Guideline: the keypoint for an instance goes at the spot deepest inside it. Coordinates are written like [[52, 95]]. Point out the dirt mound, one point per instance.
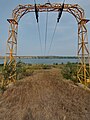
[[45, 96]]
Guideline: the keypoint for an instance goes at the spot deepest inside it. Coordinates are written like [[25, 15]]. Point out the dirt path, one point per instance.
[[45, 96]]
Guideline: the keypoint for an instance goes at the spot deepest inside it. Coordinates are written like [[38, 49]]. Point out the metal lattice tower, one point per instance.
[[83, 52]]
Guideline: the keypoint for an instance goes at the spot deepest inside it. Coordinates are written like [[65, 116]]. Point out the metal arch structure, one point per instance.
[[82, 52]]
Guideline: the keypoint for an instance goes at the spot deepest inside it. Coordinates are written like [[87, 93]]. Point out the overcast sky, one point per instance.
[[65, 39]]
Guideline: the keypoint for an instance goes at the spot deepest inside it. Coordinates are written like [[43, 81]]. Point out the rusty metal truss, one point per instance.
[[83, 74]]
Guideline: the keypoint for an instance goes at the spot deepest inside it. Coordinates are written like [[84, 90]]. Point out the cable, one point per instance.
[[40, 39], [52, 38], [48, 2], [36, 13], [46, 33], [59, 16]]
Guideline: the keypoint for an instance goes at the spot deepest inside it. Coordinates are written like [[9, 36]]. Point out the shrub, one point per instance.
[[69, 71], [9, 70], [44, 66], [23, 70]]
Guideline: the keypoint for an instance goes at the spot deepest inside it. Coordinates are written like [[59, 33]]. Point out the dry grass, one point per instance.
[[45, 96]]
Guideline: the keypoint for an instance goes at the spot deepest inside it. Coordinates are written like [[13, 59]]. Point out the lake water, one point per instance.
[[44, 61]]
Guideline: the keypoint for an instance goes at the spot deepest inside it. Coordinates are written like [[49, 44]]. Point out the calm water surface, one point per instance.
[[44, 61]]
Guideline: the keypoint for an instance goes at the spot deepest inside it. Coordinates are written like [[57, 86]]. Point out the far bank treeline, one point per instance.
[[45, 57]]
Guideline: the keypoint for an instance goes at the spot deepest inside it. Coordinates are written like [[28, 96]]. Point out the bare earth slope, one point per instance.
[[45, 96]]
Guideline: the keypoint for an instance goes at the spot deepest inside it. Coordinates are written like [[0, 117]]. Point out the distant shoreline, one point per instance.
[[44, 57]]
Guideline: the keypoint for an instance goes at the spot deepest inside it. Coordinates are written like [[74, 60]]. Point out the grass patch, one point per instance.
[[69, 71]]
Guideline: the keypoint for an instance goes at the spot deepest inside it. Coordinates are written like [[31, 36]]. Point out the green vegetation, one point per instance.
[[9, 70], [69, 71], [24, 70]]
